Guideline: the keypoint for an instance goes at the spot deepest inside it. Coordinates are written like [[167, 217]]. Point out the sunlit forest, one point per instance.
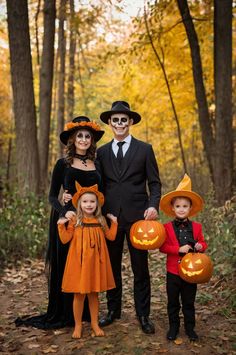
[[172, 60]]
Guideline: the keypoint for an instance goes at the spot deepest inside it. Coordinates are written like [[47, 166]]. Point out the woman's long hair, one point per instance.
[[97, 213], [70, 148]]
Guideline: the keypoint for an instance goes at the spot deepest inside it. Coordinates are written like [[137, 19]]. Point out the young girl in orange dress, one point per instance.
[[88, 268]]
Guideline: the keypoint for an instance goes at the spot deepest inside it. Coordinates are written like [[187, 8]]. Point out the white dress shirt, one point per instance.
[[125, 146]]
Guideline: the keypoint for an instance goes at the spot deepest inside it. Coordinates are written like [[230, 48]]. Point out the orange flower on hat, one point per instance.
[[92, 124], [82, 190]]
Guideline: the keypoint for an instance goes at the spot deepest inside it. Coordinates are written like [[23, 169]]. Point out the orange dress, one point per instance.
[[88, 268]]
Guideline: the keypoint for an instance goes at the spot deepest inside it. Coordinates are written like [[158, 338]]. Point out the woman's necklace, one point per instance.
[[82, 158]]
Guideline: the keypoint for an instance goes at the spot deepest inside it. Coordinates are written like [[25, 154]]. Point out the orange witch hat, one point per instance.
[[82, 190], [184, 189]]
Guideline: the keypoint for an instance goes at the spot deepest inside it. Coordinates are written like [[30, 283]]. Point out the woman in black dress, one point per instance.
[[80, 137]]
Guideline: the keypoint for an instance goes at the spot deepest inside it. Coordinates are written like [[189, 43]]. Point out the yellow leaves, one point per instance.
[[178, 341]]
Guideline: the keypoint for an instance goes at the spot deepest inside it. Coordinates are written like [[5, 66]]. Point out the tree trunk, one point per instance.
[[9, 153], [23, 96], [223, 171], [37, 31], [61, 74], [219, 150], [53, 143], [70, 92], [203, 113], [46, 82]]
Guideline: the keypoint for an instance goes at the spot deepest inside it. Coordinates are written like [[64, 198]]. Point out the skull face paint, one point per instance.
[[120, 123]]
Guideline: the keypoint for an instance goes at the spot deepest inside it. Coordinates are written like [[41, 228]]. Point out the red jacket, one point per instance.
[[171, 245]]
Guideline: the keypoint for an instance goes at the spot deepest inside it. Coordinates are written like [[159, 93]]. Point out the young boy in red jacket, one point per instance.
[[183, 236]]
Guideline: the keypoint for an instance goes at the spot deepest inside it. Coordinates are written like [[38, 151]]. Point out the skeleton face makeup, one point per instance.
[[83, 140], [120, 123]]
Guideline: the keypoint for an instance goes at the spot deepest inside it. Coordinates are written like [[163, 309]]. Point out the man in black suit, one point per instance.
[[128, 166]]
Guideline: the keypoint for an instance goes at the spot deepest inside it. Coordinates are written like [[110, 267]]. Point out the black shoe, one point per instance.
[[191, 334], [172, 333], [109, 318], [146, 325]]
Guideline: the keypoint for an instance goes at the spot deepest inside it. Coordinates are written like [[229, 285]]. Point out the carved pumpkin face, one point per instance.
[[196, 268], [147, 235]]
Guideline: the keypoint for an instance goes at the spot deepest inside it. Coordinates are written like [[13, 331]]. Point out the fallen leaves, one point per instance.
[[59, 332], [159, 351], [50, 349], [33, 346], [24, 291]]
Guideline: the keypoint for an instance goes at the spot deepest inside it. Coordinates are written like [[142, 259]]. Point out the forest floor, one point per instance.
[[23, 290]]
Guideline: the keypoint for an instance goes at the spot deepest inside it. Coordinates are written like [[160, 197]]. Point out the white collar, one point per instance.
[[126, 139]]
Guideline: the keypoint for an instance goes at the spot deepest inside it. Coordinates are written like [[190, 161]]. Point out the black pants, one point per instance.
[[139, 264], [177, 287]]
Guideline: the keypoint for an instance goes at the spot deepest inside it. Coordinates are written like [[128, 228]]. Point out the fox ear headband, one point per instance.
[[82, 190], [184, 189]]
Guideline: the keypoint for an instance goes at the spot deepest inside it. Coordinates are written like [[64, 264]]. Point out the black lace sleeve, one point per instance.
[[56, 183], [99, 172]]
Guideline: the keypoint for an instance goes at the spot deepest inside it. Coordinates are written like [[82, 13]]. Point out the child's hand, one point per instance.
[[62, 220], [70, 215], [198, 246], [185, 248], [112, 218]]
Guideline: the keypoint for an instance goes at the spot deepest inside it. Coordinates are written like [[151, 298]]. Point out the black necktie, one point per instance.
[[120, 152]]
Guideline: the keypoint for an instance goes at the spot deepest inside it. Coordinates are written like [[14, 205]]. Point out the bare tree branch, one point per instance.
[[161, 64]]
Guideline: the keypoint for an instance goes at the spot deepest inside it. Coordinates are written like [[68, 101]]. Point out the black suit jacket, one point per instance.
[[137, 187]]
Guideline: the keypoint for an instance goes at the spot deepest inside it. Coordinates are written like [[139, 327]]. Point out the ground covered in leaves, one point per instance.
[[23, 291]]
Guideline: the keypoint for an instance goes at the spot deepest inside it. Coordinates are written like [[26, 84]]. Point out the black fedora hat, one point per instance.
[[79, 123], [120, 107]]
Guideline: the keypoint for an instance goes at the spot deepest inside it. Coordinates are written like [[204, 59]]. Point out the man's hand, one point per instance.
[[150, 213]]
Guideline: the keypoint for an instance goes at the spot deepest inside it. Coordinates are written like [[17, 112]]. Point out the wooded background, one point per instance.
[[173, 63]]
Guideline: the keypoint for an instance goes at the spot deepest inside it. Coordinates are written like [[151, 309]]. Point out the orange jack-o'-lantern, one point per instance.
[[196, 268], [147, 234]]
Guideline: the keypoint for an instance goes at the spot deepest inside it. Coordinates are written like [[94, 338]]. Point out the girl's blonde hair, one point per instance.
[[97, 213]]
